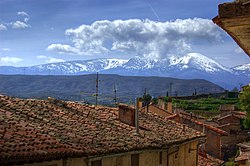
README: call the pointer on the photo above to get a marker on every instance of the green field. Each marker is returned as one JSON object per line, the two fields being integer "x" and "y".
{"x": 205, "y": 104}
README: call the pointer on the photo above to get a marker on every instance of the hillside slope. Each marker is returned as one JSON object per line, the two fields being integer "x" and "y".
{"x": 83, "y": 87}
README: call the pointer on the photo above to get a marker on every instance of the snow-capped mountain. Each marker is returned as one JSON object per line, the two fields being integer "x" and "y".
{"x": 66, "y": 68}
{"x": 243, "y": 69}
{"x": 198, "y": 61}
{"x": 190, "y": 66}
{"x": 87, "y": 66}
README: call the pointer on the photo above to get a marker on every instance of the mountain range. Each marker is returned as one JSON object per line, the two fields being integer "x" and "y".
{"x": 83, "y": 87}
{"x": 190, "y": 66}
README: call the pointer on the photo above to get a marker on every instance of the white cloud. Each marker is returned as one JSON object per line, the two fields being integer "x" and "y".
{"x": 61, "y": 49}
{"x": 139, "y": 37}
{"x": 10, "y": 60}
{"x": 50, "y": 59}
{"x": 22, "y": 13}
{"x": 41, "y": 57}
{"x": 2, "y": 27}
{"x": 26, "y": 19}
{"x": 20, "y": 25}
{"x": 54, "y": 60}
{"x": 6, "y": 49}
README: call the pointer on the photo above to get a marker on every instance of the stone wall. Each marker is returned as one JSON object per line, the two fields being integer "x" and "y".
{"x": 213, "y": 143}
{"x": 184, "y": 154}
{"x": 158, "y": 111}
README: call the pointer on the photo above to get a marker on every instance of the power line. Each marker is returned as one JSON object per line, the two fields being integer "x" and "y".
{"x": 96, "y": 94}
{"x": 170, "y": 89}
{"x": 115, "y": 99}
{"x": 24, "y": 71}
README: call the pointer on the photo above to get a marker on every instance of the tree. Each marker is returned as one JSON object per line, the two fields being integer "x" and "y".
{"x": 245, "y": 105}
{"x": 146, "y": 99}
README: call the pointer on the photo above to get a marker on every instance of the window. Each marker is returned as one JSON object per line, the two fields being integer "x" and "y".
{"x": 96, "y": 163}
{"x": 160, "y": 158}
{"x": 176, "y": 155}
{"x": 134, "y": 159}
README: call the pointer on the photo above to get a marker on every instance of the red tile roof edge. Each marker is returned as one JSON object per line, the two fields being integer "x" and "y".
{"x": 22, "y": 159}
{"x": 227, "y": 117}
{"x": 215, "y": 129}
{"x": 243, "y": 156}
{"x": 228, "y": 124}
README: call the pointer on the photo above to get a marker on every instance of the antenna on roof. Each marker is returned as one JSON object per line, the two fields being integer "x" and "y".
{"x": 115, "y": 99}
{"x": 96, "y": 93}
{"x": 24, "y": 71}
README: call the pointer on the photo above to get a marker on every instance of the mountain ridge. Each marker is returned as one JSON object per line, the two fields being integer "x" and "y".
{"x": 83, "y": 87}
{"x": 190, "y": 66}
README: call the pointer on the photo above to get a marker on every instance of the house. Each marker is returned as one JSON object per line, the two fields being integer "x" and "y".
{"x": 213, "y": 135}
{"x": 226, "y": 109}
{"x": 205, "y": 160}
{"x": 157, "y": 110}
{"x": 59, "y": 133}
{"x": 244, "y": 157}
{"x": 243, "y": 88}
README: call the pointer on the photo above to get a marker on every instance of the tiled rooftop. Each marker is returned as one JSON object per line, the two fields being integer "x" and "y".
{"x": 207, "y": 160}
{"x": 210, "y": 127}
{"x": 38, "y": 130}
{"x": 243, "y": 156}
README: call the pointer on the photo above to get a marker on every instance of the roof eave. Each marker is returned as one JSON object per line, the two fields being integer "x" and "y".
{"x": 235, "y": 13}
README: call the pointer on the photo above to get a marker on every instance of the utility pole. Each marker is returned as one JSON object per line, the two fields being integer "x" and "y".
{"x": 96, "y": 93}
{"x": 136, "y": 116}
{"x": 115, "y": 99}
{"x": 24, "y": 71}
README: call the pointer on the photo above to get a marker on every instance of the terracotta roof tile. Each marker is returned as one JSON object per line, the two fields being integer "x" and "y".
{"x": 37, "y": 130}
{"x": 243, "y": 156}
{"x": 207, "y": 160}
{"x": 210, "y": 127}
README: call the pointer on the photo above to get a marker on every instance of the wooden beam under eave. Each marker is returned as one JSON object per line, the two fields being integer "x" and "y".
{"x": 238, "y": 27}
{"x": 234, "y": 18}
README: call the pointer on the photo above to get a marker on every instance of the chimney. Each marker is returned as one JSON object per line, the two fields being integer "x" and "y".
{"x": 170, "y": 107}
{"x": 203, "y": 128}
{"x": 139, "y": 103}
{"x": 161, "y": 103}
{"x": 126, "y": 114}
{"x": 130, "y": 115}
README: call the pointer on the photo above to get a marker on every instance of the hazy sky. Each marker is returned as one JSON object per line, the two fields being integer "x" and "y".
{"x": 44, "y": 31}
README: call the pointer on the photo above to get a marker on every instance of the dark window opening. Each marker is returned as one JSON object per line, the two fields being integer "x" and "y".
{"x": 134, "y": 159}
{"x": 96, "y": 163}
{"x": 176, "y": 155}
{"x": 160, "y": 158}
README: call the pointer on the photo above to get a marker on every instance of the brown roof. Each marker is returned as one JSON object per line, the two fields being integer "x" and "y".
{"x": 245, "y": 145}
{"x": 39, "y": 130}
{"x": 227, "y": 116}
{"x": 199, "y": 123}
{"x": 243, "y": 156}
{"x": 234, "y": 18}
{"x": 207, "y": 160}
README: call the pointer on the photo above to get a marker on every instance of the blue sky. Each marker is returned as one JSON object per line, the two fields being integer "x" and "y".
{"x": 43, "y": 31}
